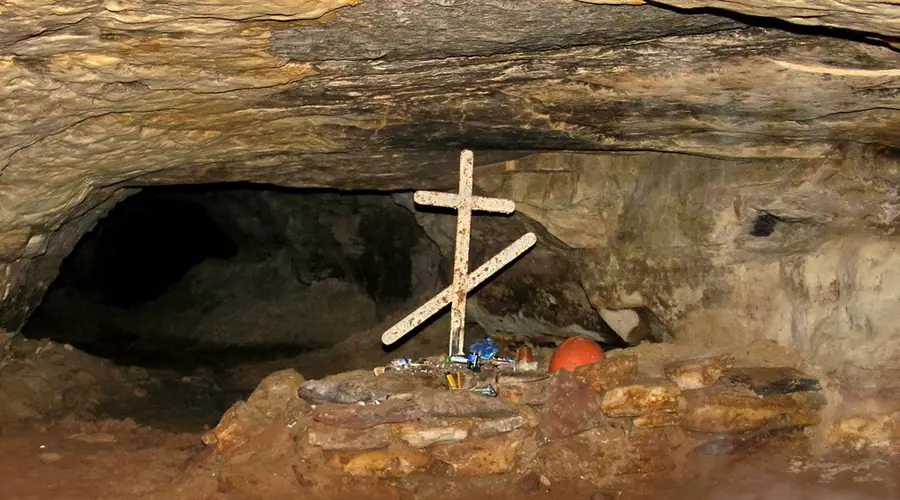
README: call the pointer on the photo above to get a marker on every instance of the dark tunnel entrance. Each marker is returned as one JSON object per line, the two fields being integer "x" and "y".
{"x": 237, "y": 281}
{"x": 144, "y": 246}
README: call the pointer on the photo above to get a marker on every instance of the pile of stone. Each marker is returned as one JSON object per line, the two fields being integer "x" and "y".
{"x": 603, "y": 420}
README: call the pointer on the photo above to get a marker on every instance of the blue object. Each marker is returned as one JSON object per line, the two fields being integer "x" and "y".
{"x": 484, "y": 349}
{"x": 401, "y": 362}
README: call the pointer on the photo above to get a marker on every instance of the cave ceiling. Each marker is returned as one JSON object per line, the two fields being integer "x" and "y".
{"x": 383, "y": 94}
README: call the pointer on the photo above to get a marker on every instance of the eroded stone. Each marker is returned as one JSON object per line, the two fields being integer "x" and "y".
{"x": 365, "y": 416}
{"x": 462, "y": 404}
{"x": 482, "y": 457}
{"x": 772, "y": 381}
{"x": 600, "y": 454}
{"x": 608, "y": 373}
{"x": 698, "y": 373}
{"x": 329, "y": 437}
{"x": 488, "y": 428}
{"x": 424, "y": 435}
{"x": 571, "y": 407}
{"x": 869, "y": 420}
{"x": 523, "y": 390}
{"x": 639, "y": 398}
{"x": 238, "y": 425}
{"x": 736, "y": 409}
{"x": 875, "y": 432}
{"x": 277, "y": 395}
{"x": 362, "y": 386}
{"x": 656, "y": 420}
{"x": 387, "y": 463}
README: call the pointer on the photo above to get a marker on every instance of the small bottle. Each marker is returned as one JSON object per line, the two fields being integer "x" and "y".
{"x": 524, "y": 355}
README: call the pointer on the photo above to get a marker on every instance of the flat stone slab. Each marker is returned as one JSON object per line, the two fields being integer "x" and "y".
{"x": 424, "y": 435}
{"x": 737, "y": 409}
{"x": 363, "y": 386}
{"x": 365, "y": 416}
{"x": 698, "y": 373}
{"x": 641, "y": 397}
{"x": 425, "y": 405}
{"x": 609, "y": 373}
{"x": 329, "y": 437}
{"x": 461, "y": 404}
{"x": 772, "y": 381}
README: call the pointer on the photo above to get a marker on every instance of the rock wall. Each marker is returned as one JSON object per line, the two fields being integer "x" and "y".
{"x": 799, "y": 252}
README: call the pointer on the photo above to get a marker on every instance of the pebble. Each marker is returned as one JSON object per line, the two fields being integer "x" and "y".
{"x": 49, "y": 457}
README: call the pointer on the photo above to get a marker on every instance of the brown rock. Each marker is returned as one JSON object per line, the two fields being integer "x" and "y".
{"x": 273, "y": 402}
{"x": 364, "y": 416}
{"x": 643, "y": 397}
{"x": 600, "y": 454}
{"x": 239, "y": 424}
{"x": 362, "y": 386}
{"x": 276, "y": 394}
{"x": 329, "y": 437}
{"x": 571, "y": 407}
{"x": 461, "y": 404}
{"x": 698, "y": 373}
{"x": 869, "y": 419}
{"x": 49, "y": 457}
{"x": 610, "y": 372}
{"x": 523, "y": 390}
{"x": 433, "y": 405}
{"x": 653, "y": 450}
{"x": 424, "y": 435}
{"x": 772, "y": 381}
{"x": 495, "y": 455}
{"x": 488, "y": 428}
{"x": 865, "y": 432}
{"x": 656, "y": 420}
{"x": 387, "y": 463}
{"x": 724, "y": 408}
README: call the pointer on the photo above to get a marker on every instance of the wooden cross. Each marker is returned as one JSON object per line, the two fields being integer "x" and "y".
{"x": 463, "y": 282}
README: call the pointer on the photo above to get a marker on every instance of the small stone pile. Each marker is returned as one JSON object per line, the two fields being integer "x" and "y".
{"x": 603, "y": 420}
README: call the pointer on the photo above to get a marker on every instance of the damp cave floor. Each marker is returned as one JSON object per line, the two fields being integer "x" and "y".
{"x": 118, "y": 459}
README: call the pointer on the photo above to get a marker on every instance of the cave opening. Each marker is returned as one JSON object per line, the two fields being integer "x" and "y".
{"x": 228, "y": 282}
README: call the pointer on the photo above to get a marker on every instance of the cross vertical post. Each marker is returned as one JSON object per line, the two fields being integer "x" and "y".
{"x": 461, "y": 254}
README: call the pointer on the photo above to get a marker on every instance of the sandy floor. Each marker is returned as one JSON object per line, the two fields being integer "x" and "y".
{"x": 74, "y": 460}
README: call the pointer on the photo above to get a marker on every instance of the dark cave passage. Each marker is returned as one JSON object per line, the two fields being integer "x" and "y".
{"x": 221, "y": 275}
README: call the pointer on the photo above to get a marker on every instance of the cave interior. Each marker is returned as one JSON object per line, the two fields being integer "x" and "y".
{"x": 208, "y": 219}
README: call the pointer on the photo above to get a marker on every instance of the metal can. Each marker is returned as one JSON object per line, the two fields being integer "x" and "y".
{"x": 488, "y": 391}
{"x": 459, "y": 359}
